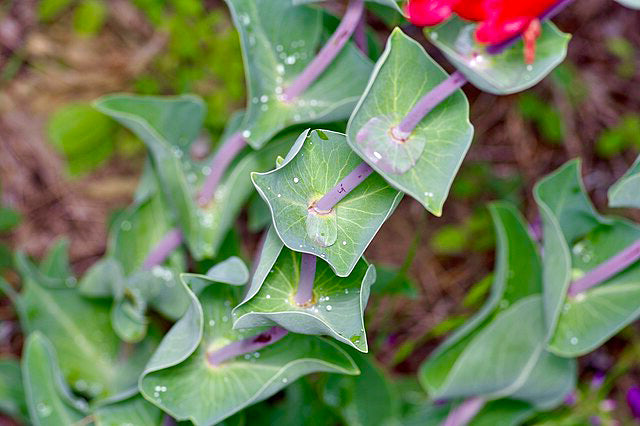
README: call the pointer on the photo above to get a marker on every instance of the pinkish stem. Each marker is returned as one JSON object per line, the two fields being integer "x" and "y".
{"x": 328, "y": 52}
{"x": 360, "y": 36}
{"x": 464, "y": 413}
{"x": 305, "y": 284}
{"x": 163, "y": 248}
{"x": 343, "y": 188}
{"x": 244, "y": 346}
{"x": 219, "y": 164}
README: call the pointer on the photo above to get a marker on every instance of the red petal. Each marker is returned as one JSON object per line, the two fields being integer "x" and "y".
{"x": 429, "y": 12}
{"x": 496, "y": 31}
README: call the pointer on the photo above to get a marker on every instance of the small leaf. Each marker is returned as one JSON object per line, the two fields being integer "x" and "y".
{"x": 337, "y": 305}
{"x": 313, "y": 167}
{"x": 178, "y": 377}
{"x": 505, "y": 72}
{"x": 276, "y": 54}
{"x": 425, "y": 165}
{"x": 625, "y": 193}
{"x": 232, "y": 271}
{"x": 49, "y": 400}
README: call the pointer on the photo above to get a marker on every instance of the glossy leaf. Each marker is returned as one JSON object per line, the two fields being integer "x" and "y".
{"x": 274, "y": 55}
{"x": 50, "y": 402}
{"x": 179, "y": 379}
{"x": 577, "y": 239}
{"x": 625, "y": 193}
{"x": 315, "y": 164}
{"x": 506, "y": 72}
{"x": 337, "y": 306}
{"x": 134, "y": 410}
{"x": 436, "y": 148}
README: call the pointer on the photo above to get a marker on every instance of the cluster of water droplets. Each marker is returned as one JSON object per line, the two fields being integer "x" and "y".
{"x": 159, "y": 390}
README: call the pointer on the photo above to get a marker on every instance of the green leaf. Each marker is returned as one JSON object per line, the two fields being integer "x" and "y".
{"x": 131, "y": 411}
{"x": 12, "y": 398}
{"x": 337, "y": 306}
{"x": 367, "y": 399}
{"x": 102, "y": 278}
{"x": 9, "y": 219}
{"x": 230, "y": 271}
{"x": 178, "y": 378}
{"x": 49, "y": 400}
{"x": 88, "y": 350}
{"x": 624, "y": 193}
{"x": 505, "y": 72}
{"x": 432, "y": 156}
{"x": 48, "y": 10}
{"x": 154, "y": 120}
{"x": 501, "y": 344}
{"x": 275, "y": 54}
{"x": 389, "y": 3}
{"x": 83, "y": 135}
{"x": 503, "y": 412}
{"x": 315, "y": 164}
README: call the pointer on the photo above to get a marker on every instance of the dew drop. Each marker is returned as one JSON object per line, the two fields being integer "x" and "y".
{"x": 268, "y": 296}
{"x": 206, "y": 170}
{"x": 377, "y": 155}
{"x": 290, "y": 60}
{"x": 285, "y": 380}
{"x": 279, "y": 48}
{"x": 344, "y": 243}
{"x": 43, "y": 409}
{"x": 225, "y": 318}
{"x": 529, "y": 67}
{"x": 125, "y": 225}
{"x": 296, "y": 180}
{"x": 264, "y": 98}
{"x": 212, "y": 323}
{"x": 279, "y": 195}
{"x": 280, "y": 69}
{"x": 346, "y": 291}
{"x": 434, "y": 35}
{"x": 246, "y": 134}
{"x": 574, "y": 340}
{"x": 329, "y": 307}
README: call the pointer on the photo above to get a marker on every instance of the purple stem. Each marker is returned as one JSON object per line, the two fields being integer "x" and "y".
{"x": 360, "y": 36}
{"x": 250, "y": 344}
{"x": 344, "y": 187}
{"x": 305, "y": 283}
{"x": 328, "y": 52}
{"x": 606, "y": 270}
{"x": 550, "y": 13}
{"x": 429, "y": 101}
{"x": 168, "y": 421}
{"x": 163, "y": 248}
{"x": 464, "y": 413}
{"x": 219, "y": 164}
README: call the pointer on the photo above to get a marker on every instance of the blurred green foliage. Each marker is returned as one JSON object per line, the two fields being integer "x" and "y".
{"x": 544, "y": 116}
{"x": 625, "y": 53}
{"x": 626, "y": 134}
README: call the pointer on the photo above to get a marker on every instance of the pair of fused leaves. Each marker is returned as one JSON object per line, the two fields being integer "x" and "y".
{"x": 316, "y": 163}
{"x": 180, "y": 380}
{"x": 501, "y": 352}
{"x": 338, "y": 303}
{"x": 89, "y": 352}
{"x": 51, "y": 402}
{"x": 275, "y": 54}
{"x": 502, "y": 73}
{"x": 576, "y": 240}
{"x": 168, "y": 126}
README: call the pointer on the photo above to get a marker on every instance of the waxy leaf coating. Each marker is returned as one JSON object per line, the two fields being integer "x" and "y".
{"x": 180, "y": 380}
{"x": 275, "y": 53}
{"x": 316, "y": 163}
{"x": 505, "y": 72}
{"x": 336, "y": 309}
{"x": 425, "y": 164}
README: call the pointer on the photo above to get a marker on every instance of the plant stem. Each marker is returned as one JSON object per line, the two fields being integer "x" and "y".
{"x": 464, "y": 413}
{"x": 429, "y": 101}
{"x": 606, "y": 270}
{"x": 548, "y": 14}
{"x": 219, "y": 164}
{"x": 163, "y": 248}
{"x": 328, "y": 52}
{"x": 305, "y": 284}
{"x": 344, "y": 187}
{"x": 250, "y": 344}
{"x": 360, "y": 36}
{"x": 168, "y": 421}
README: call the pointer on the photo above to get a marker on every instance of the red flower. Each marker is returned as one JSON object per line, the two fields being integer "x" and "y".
{"x": 498, "y": 20}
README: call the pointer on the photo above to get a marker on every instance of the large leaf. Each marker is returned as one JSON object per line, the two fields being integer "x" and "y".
{"x": 576, "y": 240}
{"x": 274, "y": 54}
{"x": 315, "y": 164}
{"x": 49, "y": 400}
{"x": 134, "y": 410}
{"x": 154, "y": 120}
{"x": 505, "y": 72}
{"x": 495, "y": 355}
{"x": 88, "y": 350}
{"x": 12, "y": 399}
{"x": 337, "y": 306}
{"x": 424, "y": 166}
{"x": 625, "y": 193}
{"x": 180, "y": 380}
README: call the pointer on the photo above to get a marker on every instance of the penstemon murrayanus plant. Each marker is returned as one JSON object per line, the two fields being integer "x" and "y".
{"x": 328, "y": 195}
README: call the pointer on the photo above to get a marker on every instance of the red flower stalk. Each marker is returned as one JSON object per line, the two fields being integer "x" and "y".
{"x": 498, "y": 20}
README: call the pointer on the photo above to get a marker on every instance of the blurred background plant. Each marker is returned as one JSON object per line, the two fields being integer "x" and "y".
{"x": 66, "y": 169}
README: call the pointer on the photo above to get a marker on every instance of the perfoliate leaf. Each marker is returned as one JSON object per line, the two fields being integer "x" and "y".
{"x": 49, "y": 400}
{"x": 336, "y": 309}
{"x": 179, "y": 377}
{"x": 316, "y": 163}
{"x": 424, "y": 166}
{"x": 625, "y": 193}
{"x": 134, "y": 410}
{"x": 495, "y": 353}
{"x": 275, "y": 54}
{"x": 505, "y": 72}
{"x": 577, "y": 239}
